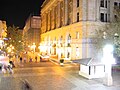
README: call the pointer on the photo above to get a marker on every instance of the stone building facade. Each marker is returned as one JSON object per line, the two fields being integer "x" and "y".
{"x": 67, "y": 26}
{"x": 31, "y": 31}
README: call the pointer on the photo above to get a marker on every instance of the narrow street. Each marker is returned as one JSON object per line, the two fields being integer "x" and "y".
{"x": 50, "y": 76}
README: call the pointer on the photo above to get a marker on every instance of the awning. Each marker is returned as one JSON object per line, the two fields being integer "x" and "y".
{"x": 88, "y": 62}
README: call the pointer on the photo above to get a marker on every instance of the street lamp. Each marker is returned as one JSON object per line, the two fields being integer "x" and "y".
{"x": 116, "y": 40}
{"x": 104, "y": 35}
{"x": 33, "y": 47}
{"x": 108, "y": 60}
{"x": 116, "y": 35}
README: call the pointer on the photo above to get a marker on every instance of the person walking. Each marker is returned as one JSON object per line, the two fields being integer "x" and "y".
{"x": 25, "y": 60}
{"x": 35, "y": 58}
{"x": 21, "y": 59}
{"x": 40, "y": 58}
{"x": 30, "y": 59}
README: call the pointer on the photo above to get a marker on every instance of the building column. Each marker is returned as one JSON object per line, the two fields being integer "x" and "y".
{"x": 66, "y": 12}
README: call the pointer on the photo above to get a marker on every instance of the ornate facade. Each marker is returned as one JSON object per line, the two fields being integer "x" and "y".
{"x": 67, "y": 26}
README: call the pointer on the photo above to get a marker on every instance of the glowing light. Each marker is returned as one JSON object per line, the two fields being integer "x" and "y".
{"x": 108, "y": 55}
{"x": 10, "y": 48}
{"x": 33, "y": 47}
{"x": 43, "y": 48}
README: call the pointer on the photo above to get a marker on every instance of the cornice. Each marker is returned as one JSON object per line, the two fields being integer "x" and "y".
{"x": 50, "y": 5}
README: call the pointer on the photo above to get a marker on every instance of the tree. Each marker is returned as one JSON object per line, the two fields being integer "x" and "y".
{"x": 14, "y": 35}
{"x": 109, "y": 33}
{"x": 27, "y": 39}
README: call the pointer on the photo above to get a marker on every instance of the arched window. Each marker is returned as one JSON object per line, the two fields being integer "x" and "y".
{"x": 102, "y": 3}
{"x": 77, "y": 35}
{"x": 69, "y": 40}
{"x": 61, "y": 38}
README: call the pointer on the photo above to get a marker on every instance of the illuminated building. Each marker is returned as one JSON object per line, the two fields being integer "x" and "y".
{"x": 68, "y": 26}
{"x": 31, "y": 31}
{"x": 3, "y": 29}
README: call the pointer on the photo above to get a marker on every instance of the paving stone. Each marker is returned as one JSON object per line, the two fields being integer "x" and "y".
{"x": 49, "y": 76}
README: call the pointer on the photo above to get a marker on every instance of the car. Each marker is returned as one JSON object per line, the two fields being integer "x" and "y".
{"x": 44, "y": 58}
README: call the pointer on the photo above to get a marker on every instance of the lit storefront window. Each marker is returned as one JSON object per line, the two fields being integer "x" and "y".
{"x": 77, "y": 35}
{"x": 77, "y": 52}
{"x": 68, "y": 53}
{"x": 69, "y": 40}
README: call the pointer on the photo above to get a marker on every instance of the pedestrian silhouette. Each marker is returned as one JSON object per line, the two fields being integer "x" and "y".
{"x": 21, "y": 59}
{"x": 30, "y": 59}
{"x": 36, "y": 59}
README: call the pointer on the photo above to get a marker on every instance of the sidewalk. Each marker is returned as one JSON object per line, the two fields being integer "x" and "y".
{"x": 55, "y": 60}
{"x": 93, "y": 84}
{"x": 72, "y": 76}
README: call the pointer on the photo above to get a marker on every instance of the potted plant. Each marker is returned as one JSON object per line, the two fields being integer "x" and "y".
{"x": 61, "y": 61}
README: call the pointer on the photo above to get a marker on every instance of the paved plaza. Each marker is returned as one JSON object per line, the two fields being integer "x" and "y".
{"x": 51, "y": 76}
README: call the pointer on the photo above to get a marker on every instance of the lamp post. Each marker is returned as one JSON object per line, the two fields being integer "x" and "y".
{"x": 116, "y": 43}
{"x": 108, "y": 60}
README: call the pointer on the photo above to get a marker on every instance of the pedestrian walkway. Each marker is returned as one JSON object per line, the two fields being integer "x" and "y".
{"x": 56, "y": 61}
{"x": 94, "y": 84}
{"x": 51, "y": 76}
{"x": 48, "y": 76}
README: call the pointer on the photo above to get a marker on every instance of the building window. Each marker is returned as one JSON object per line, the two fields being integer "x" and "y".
{"x": 102, "y": 17}
{"x": 102, "y": 3}
{"x": 77, "y": 35}
{"x": 68, "y": 54}
{"x": 115, "y": 16}
{"x": 119, "y": 5}
{"x": 69, "y": 20}
{"x": 61, "y": 14}
{"x": 105, "y": 17}
{"x": 70, "y": 7}
{"x": 50, "y": 21}
{"x": 115, "y": 4}
{"x": 77, "y": 3}
{"x": 77, "y": 52}
{"x": 78, "y": 17}
{"x": 61, "y": 39}
{"x": 106, "y": 4}
{"x": 68, "y": 40}
{"x": 55, "y": 17}
{"x": 46, "y": 22}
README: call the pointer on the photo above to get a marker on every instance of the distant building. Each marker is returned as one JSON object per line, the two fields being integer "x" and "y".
{"x": 3, "y": 29}
{"x": 69, "y": 25}
{"x": 31, "y": 31}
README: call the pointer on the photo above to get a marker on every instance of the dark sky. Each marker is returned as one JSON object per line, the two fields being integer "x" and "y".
{"x": 17, "y": 11}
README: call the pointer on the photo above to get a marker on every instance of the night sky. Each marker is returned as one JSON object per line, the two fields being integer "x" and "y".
{"x": 15, "y": 12}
